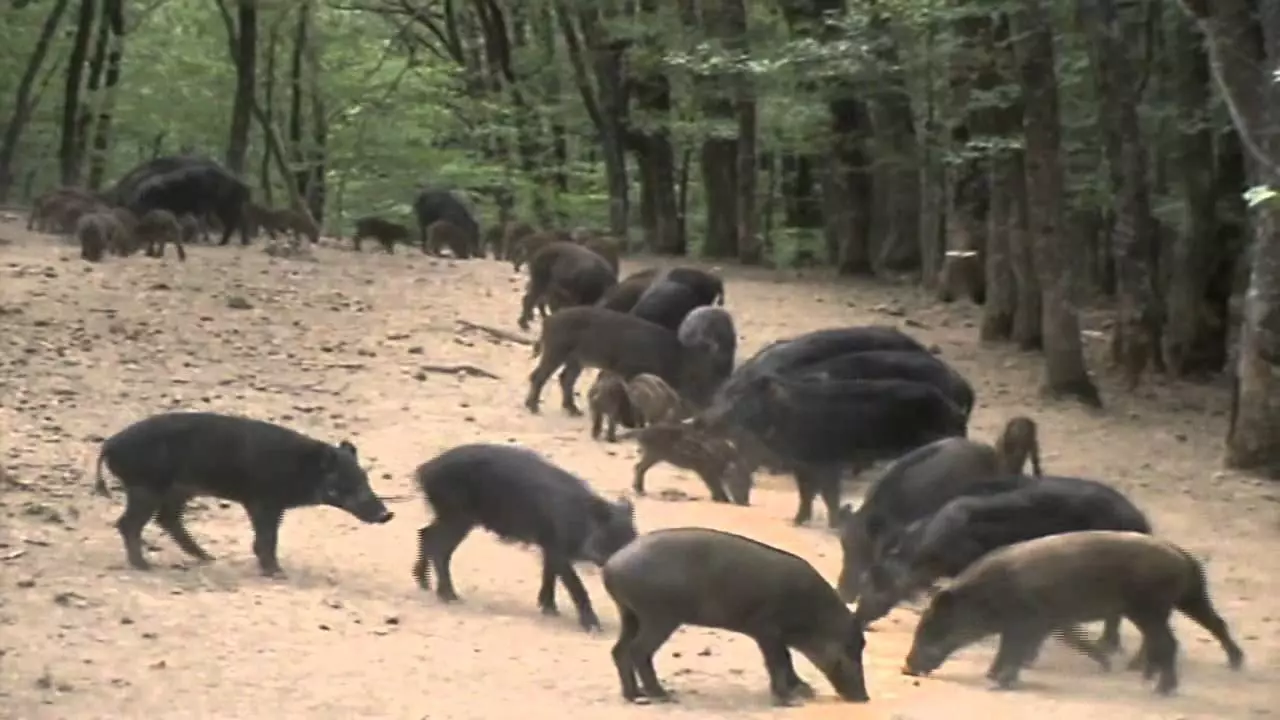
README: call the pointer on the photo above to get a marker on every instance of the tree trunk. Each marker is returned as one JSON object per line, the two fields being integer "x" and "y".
{"x": 297, "y": 88}
{"x": 654, "y": 153}
{"x": 69, "y": 145}
{"x": 23, "y": 101}
{"x": 1242, "y": 71}
{"x": 750, "y": 250}
{"x": 113, "y": 17}
{"x": 849, "y": 194}
{"x": 92, "y": 95}
{"x": 720, "y": 149}
{"x": 1066, "y": 374}
{"x": 269, "y": 111}
{"x": 898, "y": 192}
{"x": 1136, "y": 340}
{"x": 246, "y": 72}
{"x": 1195, "y": 335}
{"x": 801, "y": 201}
{"x": 317, "y": 188}
{"x": 607, "y": 108}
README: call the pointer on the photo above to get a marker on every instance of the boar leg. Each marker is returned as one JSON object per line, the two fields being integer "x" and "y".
{"x": 622, "y": 654}
{"x": 577, "y": 592}
{"x": 539, "y": 377}
{"x": 442, "y": 538}
{"x": 1016, "y": 644}
{"x": 568, "y": 378}
{"x": 714, "y": 486}
{"x": 169, "y": 517}
{"x": 1161, "y": 649}
{"x": 785, "y": 686}
{"x": 1077, "y": 639}
{"x": 806, "y": 488}
{"x": 1110, "y": 641}
{"x": 654, "y": 631}
{"x": 140, "y": 506}
{"x": 266, "y": 534}
{"x": 646, "y": 461}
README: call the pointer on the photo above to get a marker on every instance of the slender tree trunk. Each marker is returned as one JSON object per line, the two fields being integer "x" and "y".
{"x": 112, "y": 17}
{"x": 1066, "y": 374}
{"x": 24, "y": 101}
{"x": 269, "y": 111}
{"x": 246, "y": 73}
{"x": 69, "y": 145}
{"x": 297, "y": 89}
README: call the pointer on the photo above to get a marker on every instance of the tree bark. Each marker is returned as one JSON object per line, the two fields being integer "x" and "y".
{"x": 242, "y": 105}
{"x": 898, "y": 187}
{"x": 606, "y": 106}
{"x": 1195, "y": 334}
{"x": 750, "y": 250}
{"x": 655, "y": 156}
{"x": 113, "y": 18}
{"x": 1136, "y": 340}
{"x": 1066, "y": 374}
{"x": 1242, "y": 70}
{"x": 70, "y": 146}
{"x": 297, "y": 89}
{"x": 24, "y": 100}
{"x": 269, "y": 111}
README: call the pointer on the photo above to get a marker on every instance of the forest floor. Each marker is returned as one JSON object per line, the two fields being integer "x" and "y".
{"x": 336, "y": 346}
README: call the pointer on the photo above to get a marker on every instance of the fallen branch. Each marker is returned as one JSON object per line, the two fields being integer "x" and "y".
{"x": 455, "y": 369}
{"x": 495, "y": 332}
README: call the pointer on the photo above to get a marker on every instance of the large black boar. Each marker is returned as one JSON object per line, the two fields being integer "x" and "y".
{"x": 624, "y": 296}
{"x": 820, "y": 428}
{"x": 707, "y": 287}
{"x": 786, "y": 357}
{"x": 571, "y": 273}
{"x": 667, "y": 303}
{"x": 589, "y": 336}
{"x": 432, "y": 205}
{"x": 915, "y": 486}
{"x": 711, "y": 328}
{"x": 968, "y": 527}
{"x": 698, "y": 576}
{"x": 520, "y": 497}
{"x": 166, "y": 459}
{"x": 188, "y": 185}
{"x": 1024, "y": 591}
{"x": 888, "y": 364}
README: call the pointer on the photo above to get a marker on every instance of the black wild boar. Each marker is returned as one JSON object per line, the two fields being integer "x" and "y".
{"x": 96, "y": 232}
{"x": 712, "y": 329}
{"x": 666, "y": 303}
{"x": 888, "y": 364}
{"x": 60, "y": 208}
{"x": 968, "y": 527}
{"x": 697, "y": 576}
{"x": 820, "y": 428}
{"x": 166, "y": 459}
{"x": 386, "y": 232}
{"x": 712, "y": 457}
{"x": 624, "y": 296}
{"x": 444, "y": 234}
{"x": 570, "y": 272}
{"x": 520, "y": 497}
{"x": 512, "y": 234}
{"x": 587, "y": 336}
{"x": 433, "y": 204}
{"x": 297, "y": 222}
{"x": 915, "y": 486}
{"x": 1024, "y": 591}
{"x": 654, "y": 400}
{"x": 196, "y": 186}
{"x": 607, "y": 400}
{"x": 524, "y": 245}
{"x": 157, "y": 228}
{"x": 1017, "y": 443}
{"x": 606, "y": 247}
{"x": 707, "y": 287}
{"x": 785, "y": 357}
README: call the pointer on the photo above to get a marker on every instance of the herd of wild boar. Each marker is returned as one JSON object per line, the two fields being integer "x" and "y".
{"x": 1019, "y": 555}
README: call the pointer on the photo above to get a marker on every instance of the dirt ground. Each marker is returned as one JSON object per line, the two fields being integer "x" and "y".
{"x": 335, "y": 347}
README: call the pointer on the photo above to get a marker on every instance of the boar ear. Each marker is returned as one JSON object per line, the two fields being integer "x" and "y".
{"x": 942, "y": 600}
{"x": 348, "y": 446}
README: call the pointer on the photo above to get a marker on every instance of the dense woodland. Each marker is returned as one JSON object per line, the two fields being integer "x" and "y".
{"x": 1034, "y": 156}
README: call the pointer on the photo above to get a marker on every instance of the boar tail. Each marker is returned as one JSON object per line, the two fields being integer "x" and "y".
{"x": 100, "y": 483}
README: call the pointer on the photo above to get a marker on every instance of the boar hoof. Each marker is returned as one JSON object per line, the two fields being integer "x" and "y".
{"x": 1006, "y": 678}
{"x": 803, "y": 690}
{"x": 572, "y": 411}
{"x": 447, "y": 595}
{"x": 532, "y": 406}
{"x": 550, "y": 610}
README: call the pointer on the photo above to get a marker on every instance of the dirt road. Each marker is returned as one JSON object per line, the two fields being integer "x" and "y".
{"x": 336, "y": 348}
